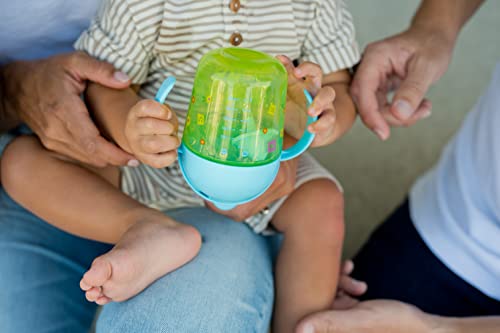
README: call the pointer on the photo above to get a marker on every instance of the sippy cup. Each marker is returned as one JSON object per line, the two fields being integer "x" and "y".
{"x": 232, "y": 143}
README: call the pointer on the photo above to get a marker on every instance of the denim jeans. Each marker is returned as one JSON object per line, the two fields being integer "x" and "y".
{"x": 228, "y": 287}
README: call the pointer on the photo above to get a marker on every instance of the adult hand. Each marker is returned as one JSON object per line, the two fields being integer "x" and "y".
{"x": 372, "y": 317}
{"x": 408, "y": 63}
{"x": 283, "y": 185}
{"x": 46, "y": 95}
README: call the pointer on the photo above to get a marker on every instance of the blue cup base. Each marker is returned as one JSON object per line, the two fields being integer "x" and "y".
{"x": 225, "y": 186}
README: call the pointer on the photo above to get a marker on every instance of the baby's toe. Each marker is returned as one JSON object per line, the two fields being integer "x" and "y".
{"x": 103, "y": 300}
{"x": 98, "y": 274}
{"x": 84, "y": 286}
{"x": 93, "y": 294}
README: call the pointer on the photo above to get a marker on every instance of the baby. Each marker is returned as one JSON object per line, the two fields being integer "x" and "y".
{"x": 150, "y": 40}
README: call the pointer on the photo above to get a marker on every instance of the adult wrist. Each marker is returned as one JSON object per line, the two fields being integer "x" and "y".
{"x": 425, "y": 29}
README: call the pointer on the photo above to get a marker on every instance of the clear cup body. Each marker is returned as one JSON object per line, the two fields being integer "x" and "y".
{"x": 236, "y": 113}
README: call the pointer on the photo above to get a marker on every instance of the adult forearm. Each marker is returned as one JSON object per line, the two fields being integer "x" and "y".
{"x": 447, "y": 16}
{"x": 8, "y": 116}
{"x": 471, "y": 325}
{"x": 110, "y": 108}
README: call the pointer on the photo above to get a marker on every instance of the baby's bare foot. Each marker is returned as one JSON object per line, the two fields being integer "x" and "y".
{"x": 146, "y": 252}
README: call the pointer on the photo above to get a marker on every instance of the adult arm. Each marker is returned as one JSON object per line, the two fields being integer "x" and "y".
{"x": 46, "y": 95}
{"x": 409, "y": 63}
{"x": 393, "y": 317}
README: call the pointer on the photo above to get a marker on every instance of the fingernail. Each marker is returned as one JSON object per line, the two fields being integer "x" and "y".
{"x": 404, "y": 108}
{"x": 298, "y": 72}
{"x": 133, "y": 163}
{"x": 310, "y": 128}
{"x": 380, "y": 134}
{"x": 120, "y": 76}
{"x": 426, "y": 114}
{"x": 308, "y": 328}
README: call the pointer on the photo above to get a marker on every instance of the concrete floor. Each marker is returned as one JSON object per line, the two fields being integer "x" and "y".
{"x": 376, "y": 176}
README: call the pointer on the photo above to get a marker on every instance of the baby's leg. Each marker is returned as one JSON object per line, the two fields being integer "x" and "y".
{"x": 88, "y": 203}
{"x": 312, "y": 221}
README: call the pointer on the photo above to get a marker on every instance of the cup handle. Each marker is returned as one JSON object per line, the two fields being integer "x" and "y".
{"x": 306, "y": 139}
{"x": 165, "y": 89}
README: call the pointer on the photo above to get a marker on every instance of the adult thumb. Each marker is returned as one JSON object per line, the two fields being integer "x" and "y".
{"x": 411, "y": 93}
{"x": 100, "y": 72}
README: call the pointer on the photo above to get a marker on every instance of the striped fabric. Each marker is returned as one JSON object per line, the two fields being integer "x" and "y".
{"x": 152, "y": 39}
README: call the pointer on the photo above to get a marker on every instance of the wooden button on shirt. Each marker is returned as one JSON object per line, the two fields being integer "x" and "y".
{"x": 236, "y": 39}
{"x": 235, "y": 5}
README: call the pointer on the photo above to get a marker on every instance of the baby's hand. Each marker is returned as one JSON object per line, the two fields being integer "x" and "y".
{"x": 309, "y": 76}
{"x": 151, "y": 131}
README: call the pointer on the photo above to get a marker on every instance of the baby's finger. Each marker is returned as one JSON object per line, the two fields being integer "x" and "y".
{"x": 323, "y": 100}
{"x": 347, "y": 267}
{"x": 287, "y": 63}
{"x": 159, "y": 161}
{"x": 157, "y": 144}
{"x": 151, "y": 108}
{"x": 313, "y": 75}
{"x": 325, "y": 123}
{"x": 150, "y": 126}
{"x": 352, "y": 286}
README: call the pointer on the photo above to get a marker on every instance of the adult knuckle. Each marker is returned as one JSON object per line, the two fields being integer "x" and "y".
{"x": 368, "y": 119}
{"x": 75, "y": 59}
{"x": 414, "y": 87}
{"x": 102, "y": 68}
{"x": 48, "y": 143}
{"x": 373, "y": 47}
{"x": 89, "y": 145}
